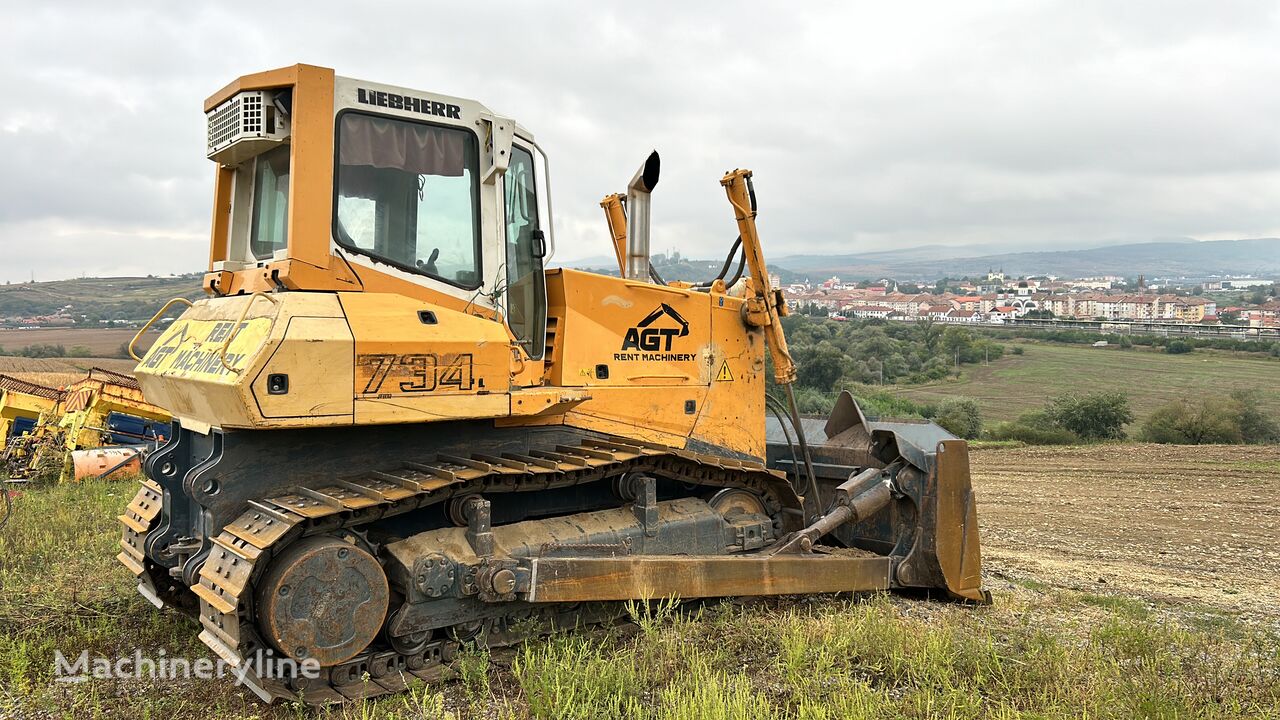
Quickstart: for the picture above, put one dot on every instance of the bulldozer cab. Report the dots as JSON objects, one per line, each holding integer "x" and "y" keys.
{"x": 350, "y": 185}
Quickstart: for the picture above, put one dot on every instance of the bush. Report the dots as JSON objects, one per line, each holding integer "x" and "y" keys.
{"x": 960, "y": 417}
{"x": 1016, "y": 350}
{"x": 1178, "y": 347}
{"x": 878, "y": 404}
{"x": 1033, "y": 429}
{"x": 1099, "y": 416}
{"x": 1228, "y": 421}
{"x": 1210, "y": 421}
{"x": 1256, "y": 426}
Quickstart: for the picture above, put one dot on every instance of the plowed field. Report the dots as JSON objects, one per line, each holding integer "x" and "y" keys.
{"x": 1172, "y": 523}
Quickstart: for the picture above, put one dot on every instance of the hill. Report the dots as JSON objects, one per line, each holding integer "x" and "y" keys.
{"x": 130, "y": 299}
{"x": 1016, "y": 384}
{"x": 1168, "y": 258}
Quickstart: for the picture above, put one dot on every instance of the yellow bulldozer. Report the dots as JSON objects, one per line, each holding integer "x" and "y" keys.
{"x": 396, "y": 430}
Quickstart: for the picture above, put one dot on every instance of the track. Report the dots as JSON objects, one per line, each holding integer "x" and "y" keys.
{"x": 244, "y": 549}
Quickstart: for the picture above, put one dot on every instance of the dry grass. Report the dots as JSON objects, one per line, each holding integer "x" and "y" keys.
{"x": 56, "y": 372}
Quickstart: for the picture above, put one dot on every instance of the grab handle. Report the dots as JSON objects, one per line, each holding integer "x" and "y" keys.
{"x": 222, "y": 355}
{"x": 151, "y": 322}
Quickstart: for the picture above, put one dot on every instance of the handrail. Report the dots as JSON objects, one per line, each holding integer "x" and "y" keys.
{"x": 222, "y": 354}
{"x": 151, "y": 322}
{"x": 682, "y": 292}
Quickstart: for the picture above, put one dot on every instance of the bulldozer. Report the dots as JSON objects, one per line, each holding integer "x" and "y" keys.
{"x": 396, "y": 430}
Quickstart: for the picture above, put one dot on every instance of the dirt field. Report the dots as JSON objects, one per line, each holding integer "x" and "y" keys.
{"x": 1166, "y": 523}
{"x": 101, "y": 342}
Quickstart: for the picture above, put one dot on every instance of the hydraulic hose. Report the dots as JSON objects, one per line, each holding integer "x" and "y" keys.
{"x": 775, "y": 407}
{"x": 724, "y": 269}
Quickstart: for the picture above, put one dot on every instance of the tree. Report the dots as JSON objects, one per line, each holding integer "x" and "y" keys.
{"x": 822, "y": 367}
{"x": 956, "y": 341}
{"x": 1097, "y": 416}
{"x": 1178, "y": 347}
{"x": 961, "y": 417}
{"x": 930, "y": 334}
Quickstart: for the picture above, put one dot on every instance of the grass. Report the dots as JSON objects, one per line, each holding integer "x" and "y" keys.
{"x": 1015, "y": 384}
{"x": 1038, "y": 652}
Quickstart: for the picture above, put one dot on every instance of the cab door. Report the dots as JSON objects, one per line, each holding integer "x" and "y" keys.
{"x": 526, "y": 250}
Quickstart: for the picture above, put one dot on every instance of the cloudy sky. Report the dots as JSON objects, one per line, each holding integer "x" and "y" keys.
{"x": 870, "y": 125}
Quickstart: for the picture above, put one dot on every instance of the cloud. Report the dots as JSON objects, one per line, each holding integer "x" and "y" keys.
{"x": 1037, "y": 123}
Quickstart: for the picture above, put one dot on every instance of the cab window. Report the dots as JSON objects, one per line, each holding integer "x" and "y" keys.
{"x": 269, "y": 231}
{"x": 408, "y": 194}
{"x": 525, "y": 247}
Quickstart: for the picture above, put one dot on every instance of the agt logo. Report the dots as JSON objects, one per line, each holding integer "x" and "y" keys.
{"x": 654, "y": 339}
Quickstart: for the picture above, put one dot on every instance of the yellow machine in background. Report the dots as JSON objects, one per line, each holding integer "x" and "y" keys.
{"x": 396, "y": 430}
{"x": 22, "y": 404}
{"x": 104, "y": 408}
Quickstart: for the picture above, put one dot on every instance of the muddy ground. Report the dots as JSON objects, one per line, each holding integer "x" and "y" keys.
{"x": 1169, "y": 523}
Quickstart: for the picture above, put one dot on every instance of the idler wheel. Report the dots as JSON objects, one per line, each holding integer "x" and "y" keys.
{"x": 736, "y": 501}
{"x": 323, "y": 599}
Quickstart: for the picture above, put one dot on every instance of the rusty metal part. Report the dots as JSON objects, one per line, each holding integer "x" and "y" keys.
{"x": 323, "y": 599}
{"x": 654, "y": 577}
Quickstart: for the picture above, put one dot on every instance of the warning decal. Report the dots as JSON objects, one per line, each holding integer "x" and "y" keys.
{"x": 724, "y": 375}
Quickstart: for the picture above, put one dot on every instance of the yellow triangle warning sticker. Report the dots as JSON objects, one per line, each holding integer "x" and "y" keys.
{"x": 724, "y": 375}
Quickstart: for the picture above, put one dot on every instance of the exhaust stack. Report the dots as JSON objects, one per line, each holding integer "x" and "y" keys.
{"x": 638, "y": 190}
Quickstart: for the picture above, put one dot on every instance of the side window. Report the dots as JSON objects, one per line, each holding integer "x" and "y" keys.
{"x": 270, "y": 228}
{"x": 526, "y": 285}
{"x": 408, "y": 193}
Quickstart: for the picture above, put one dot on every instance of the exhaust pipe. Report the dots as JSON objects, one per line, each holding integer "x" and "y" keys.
{"x": 638, "y": 190}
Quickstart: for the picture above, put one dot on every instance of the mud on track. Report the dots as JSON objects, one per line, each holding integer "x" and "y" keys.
{"x": 1171, "y": 523}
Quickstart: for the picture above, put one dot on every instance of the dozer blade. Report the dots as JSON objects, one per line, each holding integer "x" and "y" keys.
{"x": 930, "y": 527}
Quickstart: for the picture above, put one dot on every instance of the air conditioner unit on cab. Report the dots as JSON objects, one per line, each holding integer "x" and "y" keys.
{"x": 248, "y": 124}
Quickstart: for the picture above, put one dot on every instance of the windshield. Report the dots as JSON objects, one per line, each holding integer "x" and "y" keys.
{"x": 408, "y": 194}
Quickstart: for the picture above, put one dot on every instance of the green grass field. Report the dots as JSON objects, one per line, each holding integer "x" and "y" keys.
{"x": 1015, "y": 384}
